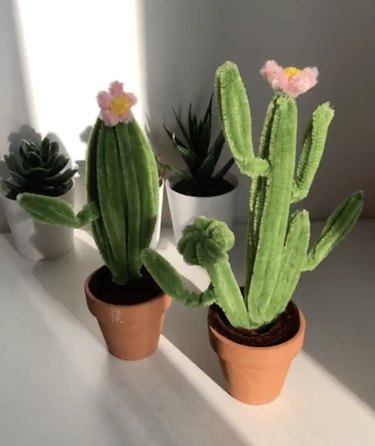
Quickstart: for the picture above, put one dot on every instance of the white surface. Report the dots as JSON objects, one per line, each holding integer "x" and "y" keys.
{"x": 185, "y": 209}
{"x": 59, "y": 386}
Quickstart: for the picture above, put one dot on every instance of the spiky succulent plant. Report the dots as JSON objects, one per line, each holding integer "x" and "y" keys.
{"x": 200, "y": 156}
{"x": 39, "y": 169}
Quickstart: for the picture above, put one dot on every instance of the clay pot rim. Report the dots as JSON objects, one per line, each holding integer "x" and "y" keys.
{"x": 298, "y": 335}
{"x": 91, "y": 296}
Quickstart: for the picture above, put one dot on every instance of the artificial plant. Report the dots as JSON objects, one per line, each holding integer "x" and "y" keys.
{"x": 200, "y": 153}
{"x": 278, "y": 241}
{"x": 38, "y": 168}
{"x": 122, "y": 189}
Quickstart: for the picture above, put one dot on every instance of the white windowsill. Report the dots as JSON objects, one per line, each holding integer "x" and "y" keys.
{"x": 59, "y": 386}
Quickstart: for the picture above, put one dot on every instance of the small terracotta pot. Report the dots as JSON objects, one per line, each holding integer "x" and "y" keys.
{"x": 256, "y": 375}
{"x": 131, "y": 332}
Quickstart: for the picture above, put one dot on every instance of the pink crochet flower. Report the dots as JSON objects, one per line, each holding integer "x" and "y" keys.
{"x": 115, "y": 105}
{"x": 290, "y": 80}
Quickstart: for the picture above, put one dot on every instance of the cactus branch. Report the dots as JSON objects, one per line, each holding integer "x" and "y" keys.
{"x": 56, "y": 211}
{"x": 312, "y": 151}
{"x": 337, "y": 227}
{"x": 294, "y": 256}
{"x": 171, "y": 283}
{"x": 275, "y": 214}
{"x": 228, "y": 293}
{"x": 236, "y": 120}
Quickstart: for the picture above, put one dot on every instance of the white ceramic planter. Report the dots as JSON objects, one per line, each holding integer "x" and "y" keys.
{"x": 185, "y": 209}
{"x": 156, "y": 235}
{"x": 34, "y": 240}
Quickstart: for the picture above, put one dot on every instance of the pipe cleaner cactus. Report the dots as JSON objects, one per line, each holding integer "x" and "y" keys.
{"x": 278, "y": 243}
{"x": 122, "y": 189}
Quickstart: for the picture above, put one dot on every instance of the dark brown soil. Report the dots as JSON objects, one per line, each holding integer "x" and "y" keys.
{"x": 135, "y": 292}
{"x": 283, "y": 329}
{"x": 193, "y": 189}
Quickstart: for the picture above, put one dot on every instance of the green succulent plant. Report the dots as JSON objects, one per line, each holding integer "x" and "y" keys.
{"x": 278, "y": 248}
{"x": 199, "y": 153}
{"x": 38, "y": 169}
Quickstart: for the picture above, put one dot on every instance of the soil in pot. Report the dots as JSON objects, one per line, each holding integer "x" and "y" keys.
{"x": 134, "y": 292}
{"x": 281, "y": 330}
{"x": 130, "y": 317}
{"x": 255, "y": 363}
{"x": 213, "y": 189}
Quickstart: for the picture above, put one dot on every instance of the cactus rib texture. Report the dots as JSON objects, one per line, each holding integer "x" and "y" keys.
{"x": 278, "y": 244}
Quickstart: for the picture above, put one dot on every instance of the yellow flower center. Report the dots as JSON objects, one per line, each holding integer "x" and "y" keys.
{"x": 292, "y": 71}
{"x": 120, "y": 106}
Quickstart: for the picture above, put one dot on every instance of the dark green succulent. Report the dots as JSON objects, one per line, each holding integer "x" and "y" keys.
{"x": 39, "y": 169}
{"x": 199, "y": 155}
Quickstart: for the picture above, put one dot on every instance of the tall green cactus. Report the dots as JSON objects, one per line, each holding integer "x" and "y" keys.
{"x": 122, "y": 191}
{"x": 278, "y": 243}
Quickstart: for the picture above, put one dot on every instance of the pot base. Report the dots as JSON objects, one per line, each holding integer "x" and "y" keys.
{"x": 132, "y": 331}
{"x": 255, "y": 375}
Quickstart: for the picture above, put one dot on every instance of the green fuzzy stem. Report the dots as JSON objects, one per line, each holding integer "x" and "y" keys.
{"x": 337, "y": 227}
{"x": 171, "y": 283}
{"x": 275, "y": 212}
{"x": 55, "y": 211}
{"x": 228, "y": 294}
{"x": 236, "y": 120}
{"x": 312, "y": 151}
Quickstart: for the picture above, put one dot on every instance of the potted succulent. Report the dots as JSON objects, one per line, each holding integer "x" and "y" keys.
{"x": 199, "y": 189}
{"x": 122, "y": 192}
{"x": 38, "y": 168}
{"x": 256, "y": 330}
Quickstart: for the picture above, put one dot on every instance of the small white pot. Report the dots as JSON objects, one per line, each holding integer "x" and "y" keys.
{"x": 185, "y": 209}
{"x": 34, "y": 240}
{"x": 156, "y": 235}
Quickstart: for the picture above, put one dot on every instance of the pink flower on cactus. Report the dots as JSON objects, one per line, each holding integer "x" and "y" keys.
{"x": 290, "y": 80}
{"x": 115, "y": 105}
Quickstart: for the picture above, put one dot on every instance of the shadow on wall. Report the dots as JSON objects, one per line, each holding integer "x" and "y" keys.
{"x": 180, "y": 58}
{"x": 14, "y": 111}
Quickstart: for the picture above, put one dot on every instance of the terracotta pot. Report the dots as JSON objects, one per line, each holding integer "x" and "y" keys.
{"x": 131, "y": 332}
{"x": 256, "y": 375}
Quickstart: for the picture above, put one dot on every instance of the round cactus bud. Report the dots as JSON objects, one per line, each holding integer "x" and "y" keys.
{"x": 205, "y": 242}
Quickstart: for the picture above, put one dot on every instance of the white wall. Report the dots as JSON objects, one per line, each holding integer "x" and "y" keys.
{"x": 69, "y": 49}
{"x": 167, "y": 51}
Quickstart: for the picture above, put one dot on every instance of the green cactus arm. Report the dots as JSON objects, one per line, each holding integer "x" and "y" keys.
{"x": 258, "y": 195}
{"x": 312, "y": 151}
{"x": 337, "y": 227}
{"x": 166, "y": 276}
{"x": 236, "y": 120}
{"x": 293, "y": 260}
{"x": 228, "y": 293}
{"x": 275, "y": 214}
{"x": 56, "y": 211}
